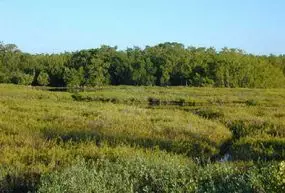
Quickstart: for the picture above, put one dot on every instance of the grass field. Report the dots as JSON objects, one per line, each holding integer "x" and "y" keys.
{"x": 142, "y": 139}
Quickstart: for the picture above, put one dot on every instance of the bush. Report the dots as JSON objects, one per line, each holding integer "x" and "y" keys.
{"x": 21, "y": 78}
{"x": 243, "y": 128}
{"x": 144, "y": 175}
{"x": 13, "y": 180}
{"x": 43, "y": 79}
{"x": 4, "y": 78}
{"x": 269, "y": 178}
{"x": 120, "y": 176}
{"x": 222, "y": 178}
{"x": 259, "y": 149}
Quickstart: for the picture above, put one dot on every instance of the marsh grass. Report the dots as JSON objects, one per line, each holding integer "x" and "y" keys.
{"x": 43, "y": 132}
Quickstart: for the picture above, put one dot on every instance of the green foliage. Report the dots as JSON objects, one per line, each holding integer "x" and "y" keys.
{"x": 43, "y": 79}
{"x": 21, "y": 78}
{"x": 4, "y": 78}
{"x": 73, "y": 77}
{"x": 250, "y": 148}
{"x": 162, "y": 65}
{"x": 141, "y": 175}
{"x": 114, "y": 139}
{"x": 132, "y": 175}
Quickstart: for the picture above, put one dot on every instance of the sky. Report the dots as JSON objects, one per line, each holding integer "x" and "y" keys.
{"x": 53, "y": 26}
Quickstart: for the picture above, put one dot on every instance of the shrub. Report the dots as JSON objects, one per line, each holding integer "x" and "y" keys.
{"x": 222, "y": 178}
{"x": 243, "y": 128}
{"x": 4, "y": 78}
{"x": 13, "y": 180}
{"x": 147, "y": 175}
{"x": 259, "y": 149}
{"x": 43, "y": 79}
{"x": 267, "y": 178}
{"x": 21, "y": 78}
{"x": 135, "y": 175}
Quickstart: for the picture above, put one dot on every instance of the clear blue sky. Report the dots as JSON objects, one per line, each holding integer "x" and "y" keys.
{"x": 257, "y": 26}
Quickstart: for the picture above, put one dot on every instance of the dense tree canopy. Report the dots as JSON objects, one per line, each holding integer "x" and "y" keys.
{"x": 162, "y": 65}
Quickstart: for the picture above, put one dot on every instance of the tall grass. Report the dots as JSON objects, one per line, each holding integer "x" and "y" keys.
{"x": 122, "y": 143}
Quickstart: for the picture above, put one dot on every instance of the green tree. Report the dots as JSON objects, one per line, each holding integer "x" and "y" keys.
{"x": 163, "y": 64}
{"x": 73, "y": 77}
{"x": 43, "y": 79}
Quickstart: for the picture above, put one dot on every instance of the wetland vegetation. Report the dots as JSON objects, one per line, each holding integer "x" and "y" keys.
{"x": 142, "y": 139}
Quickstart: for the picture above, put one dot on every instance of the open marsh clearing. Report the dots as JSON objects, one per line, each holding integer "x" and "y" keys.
{"x": 142, "y": 139}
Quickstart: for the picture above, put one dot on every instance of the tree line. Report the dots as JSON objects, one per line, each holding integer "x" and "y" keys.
{"x": 166, "y": 64}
